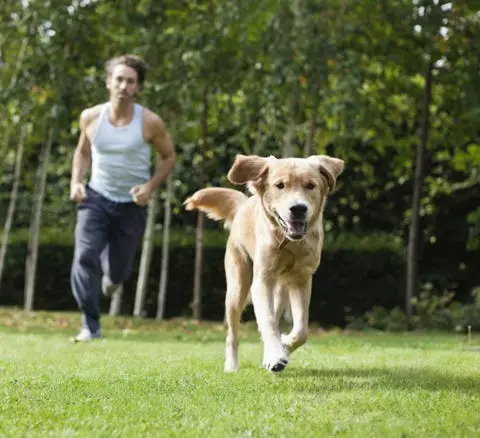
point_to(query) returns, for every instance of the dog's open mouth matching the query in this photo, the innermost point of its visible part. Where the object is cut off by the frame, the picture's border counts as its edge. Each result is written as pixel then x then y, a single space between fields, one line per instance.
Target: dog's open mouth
pixel 294 229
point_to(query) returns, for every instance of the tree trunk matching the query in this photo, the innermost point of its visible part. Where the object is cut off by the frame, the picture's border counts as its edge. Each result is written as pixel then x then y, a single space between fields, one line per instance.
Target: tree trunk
pixel 13 82
pixel 289 137
pixel 146 257
pixel 13 200
pixel 162 290
pixel 312 124
pixel 33 243
pixel 260 139
pixel 116 302
pixel 19 63
pixel 5 146
pixel 197 282
pixel 413 236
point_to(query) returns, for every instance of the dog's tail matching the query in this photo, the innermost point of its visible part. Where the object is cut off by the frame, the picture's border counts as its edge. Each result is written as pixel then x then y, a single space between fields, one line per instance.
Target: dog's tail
pixel 220 204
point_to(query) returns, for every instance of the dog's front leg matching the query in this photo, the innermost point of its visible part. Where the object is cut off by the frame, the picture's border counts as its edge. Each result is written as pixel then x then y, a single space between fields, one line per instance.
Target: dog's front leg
pixel 275 357
pixel 299 294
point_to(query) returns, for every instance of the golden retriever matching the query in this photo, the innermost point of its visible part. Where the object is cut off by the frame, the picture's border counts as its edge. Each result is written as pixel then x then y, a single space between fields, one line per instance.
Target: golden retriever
pixel 274 246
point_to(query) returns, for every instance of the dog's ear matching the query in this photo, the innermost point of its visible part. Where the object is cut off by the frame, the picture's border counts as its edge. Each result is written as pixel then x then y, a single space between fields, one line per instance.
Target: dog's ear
pixel 247 168
pixel 329 167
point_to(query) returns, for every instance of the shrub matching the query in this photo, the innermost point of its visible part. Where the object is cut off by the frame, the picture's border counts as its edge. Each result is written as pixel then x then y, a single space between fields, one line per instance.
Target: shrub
pixel 431 311
pixel 356 273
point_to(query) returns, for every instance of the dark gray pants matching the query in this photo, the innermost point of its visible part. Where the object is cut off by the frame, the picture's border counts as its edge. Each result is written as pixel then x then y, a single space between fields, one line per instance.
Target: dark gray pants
pixel 107 235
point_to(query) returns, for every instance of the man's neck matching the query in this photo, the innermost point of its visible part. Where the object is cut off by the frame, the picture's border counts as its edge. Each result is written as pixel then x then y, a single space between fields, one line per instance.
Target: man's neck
pixel 121 112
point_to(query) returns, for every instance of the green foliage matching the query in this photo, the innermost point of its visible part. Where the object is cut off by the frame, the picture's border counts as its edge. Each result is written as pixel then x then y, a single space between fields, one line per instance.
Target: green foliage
pixel 355 273
pixel 218 237
pixel 431 311
pixel 467 317
pixel 357 65
pixel 63 237
pixel 379 318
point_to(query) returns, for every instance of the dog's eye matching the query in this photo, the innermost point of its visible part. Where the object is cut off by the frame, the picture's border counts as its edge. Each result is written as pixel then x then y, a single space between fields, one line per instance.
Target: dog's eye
pixel 280 185
pixel 310 186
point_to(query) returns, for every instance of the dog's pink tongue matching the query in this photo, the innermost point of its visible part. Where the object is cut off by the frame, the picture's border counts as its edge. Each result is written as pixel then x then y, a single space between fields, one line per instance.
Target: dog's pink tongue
pixel 296 228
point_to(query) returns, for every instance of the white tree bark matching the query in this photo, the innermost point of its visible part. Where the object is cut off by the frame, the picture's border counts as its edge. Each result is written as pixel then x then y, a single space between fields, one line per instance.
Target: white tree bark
pixel 162 290
pixel 33 244
pixel 19 63
pixel 13 200
pixel 116 302
pixel 145 260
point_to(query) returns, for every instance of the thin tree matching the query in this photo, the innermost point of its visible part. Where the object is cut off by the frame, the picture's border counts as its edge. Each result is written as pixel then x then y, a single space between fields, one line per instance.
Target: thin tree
pixel 116 302
pixel 312 123
pixel 290 133
pixel 162 290
pixel 197 280
pixel 34 239
pixel 13 200
pixel 413 235
pixel 146 257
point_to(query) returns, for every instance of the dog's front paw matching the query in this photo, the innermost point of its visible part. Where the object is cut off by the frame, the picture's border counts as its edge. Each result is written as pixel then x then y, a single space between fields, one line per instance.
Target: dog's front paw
pixel 275 361
pixel 277 365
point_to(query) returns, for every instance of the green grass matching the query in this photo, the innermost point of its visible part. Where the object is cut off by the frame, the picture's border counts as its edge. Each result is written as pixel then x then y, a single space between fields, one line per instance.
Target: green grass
pixel 166 379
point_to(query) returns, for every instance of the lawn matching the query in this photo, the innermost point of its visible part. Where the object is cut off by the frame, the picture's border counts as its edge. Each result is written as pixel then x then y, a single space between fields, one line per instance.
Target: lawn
pixel 152 379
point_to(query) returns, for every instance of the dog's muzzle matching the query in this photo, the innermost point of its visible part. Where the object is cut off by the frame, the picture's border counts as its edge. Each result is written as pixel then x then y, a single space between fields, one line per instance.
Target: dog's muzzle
pixel 295 227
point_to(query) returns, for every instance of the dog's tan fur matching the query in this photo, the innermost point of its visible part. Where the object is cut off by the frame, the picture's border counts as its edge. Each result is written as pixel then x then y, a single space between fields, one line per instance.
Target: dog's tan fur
pixel 270 252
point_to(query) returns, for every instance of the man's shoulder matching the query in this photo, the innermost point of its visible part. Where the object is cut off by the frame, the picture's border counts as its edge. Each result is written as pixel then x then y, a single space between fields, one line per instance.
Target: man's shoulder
pixel 153 125
pixel 88 115
pixel 150 117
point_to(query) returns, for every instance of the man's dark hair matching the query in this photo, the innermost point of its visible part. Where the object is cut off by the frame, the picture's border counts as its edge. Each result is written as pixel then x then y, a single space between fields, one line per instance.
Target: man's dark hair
pixel 132 61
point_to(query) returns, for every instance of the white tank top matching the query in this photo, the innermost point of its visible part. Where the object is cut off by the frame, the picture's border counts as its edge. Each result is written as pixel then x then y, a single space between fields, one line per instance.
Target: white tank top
pixel 121 158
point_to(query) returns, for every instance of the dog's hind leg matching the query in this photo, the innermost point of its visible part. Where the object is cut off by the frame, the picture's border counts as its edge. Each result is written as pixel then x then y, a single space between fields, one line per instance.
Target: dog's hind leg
pixel 238 269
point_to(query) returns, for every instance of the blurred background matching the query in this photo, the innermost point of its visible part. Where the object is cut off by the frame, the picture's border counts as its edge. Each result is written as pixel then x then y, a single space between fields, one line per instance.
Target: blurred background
pixel 392 87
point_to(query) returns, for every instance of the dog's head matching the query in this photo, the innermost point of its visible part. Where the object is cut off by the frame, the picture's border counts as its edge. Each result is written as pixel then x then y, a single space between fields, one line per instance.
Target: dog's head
pixel 293 190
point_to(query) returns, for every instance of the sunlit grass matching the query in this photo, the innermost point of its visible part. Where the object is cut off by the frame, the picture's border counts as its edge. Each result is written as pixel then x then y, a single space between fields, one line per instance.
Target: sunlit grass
pixel 151 379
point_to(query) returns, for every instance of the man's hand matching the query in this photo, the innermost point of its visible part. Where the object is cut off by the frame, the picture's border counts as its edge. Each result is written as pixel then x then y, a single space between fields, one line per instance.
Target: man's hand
pixel 141 194
pixel 78 193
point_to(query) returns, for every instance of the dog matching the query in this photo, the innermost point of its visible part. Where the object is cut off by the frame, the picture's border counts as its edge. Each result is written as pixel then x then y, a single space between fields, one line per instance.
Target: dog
pixel 274 246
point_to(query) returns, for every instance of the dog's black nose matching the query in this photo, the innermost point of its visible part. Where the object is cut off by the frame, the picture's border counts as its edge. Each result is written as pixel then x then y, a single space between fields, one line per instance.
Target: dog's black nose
pixel 298 210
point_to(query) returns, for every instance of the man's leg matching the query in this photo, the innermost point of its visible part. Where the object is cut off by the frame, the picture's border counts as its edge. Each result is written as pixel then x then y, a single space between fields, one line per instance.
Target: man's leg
pixel 127 229
pixel 91 233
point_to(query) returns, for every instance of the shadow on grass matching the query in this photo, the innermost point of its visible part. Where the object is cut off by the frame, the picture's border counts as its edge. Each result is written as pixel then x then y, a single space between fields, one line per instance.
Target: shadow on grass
pixel 403 378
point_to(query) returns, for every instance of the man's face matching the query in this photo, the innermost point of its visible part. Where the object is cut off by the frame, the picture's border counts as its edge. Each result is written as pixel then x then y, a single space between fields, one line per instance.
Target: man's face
pixel 122 82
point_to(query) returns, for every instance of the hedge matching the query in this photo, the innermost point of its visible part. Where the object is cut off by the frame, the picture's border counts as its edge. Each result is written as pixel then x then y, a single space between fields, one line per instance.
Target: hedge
pixel 356 273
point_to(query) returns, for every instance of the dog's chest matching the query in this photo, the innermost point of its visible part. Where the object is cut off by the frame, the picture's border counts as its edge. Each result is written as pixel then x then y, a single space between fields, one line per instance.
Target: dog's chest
pixel 299 257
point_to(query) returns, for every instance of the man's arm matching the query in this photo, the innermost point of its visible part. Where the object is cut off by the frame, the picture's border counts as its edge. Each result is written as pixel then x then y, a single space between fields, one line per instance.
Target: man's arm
pixel 166 156
pixel 160 139
pixel 81 161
